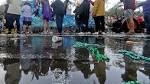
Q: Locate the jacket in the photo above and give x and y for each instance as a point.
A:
(58, 7)
(146, 8)
(99, 8)
(84, 10)
(14, 7)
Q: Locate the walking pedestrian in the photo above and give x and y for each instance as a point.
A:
(47, 15)
(83, 15)
(27, 17)
(59, 12)
(13, 14)
(99, 16)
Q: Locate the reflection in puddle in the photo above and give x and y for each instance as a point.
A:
(37, 60)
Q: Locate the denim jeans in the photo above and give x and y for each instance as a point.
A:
(10, 19)
(59, 22)
(147, 23)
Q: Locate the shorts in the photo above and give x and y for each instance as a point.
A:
(128, 13)
(27, 23)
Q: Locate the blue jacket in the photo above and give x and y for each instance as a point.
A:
(146, 7)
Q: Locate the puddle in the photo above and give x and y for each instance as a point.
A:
(37, 60)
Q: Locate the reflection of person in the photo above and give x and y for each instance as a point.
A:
(100, 67)
(130, 73)
(100, 71)
(13, 14)
(146, 53)
(83, 54)
(25, 64)
(59, 11)
(35, 68)
(13, 72)
(45, 66)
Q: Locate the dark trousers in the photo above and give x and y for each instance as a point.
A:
(59, 22)
(10, 19)
(99, 23)
(147, 23)
(84, 25)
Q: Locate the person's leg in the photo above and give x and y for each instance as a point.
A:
(147, 23)
(102, 23)
(24, 28)
(97, 23)
(77, 25)
(29, 27)
(45, 24)
(61, 25)
(130, 22)
(17, 18)
(9, 22)
(59, 22)
(85, 22)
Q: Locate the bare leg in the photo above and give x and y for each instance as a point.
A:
(24, 28)
(30, 29)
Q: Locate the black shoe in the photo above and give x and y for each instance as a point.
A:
(9, 33)
(18, 32)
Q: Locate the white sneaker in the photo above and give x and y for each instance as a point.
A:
(96, 33)
(103, 33)
(51, 33)
(88, 32)
(81, 33)
(44, 32)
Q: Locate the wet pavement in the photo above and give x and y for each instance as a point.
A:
(37, 60)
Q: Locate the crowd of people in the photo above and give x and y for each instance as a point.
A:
(15, 9)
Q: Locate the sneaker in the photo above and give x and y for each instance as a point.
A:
(50, 33)
(9, 33)
(88, 32)
(131, 32)
(81, 33)
(103, 33)
(96, 33)
(44, 32)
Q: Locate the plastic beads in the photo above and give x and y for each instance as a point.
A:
(93, 50)
(134, 56)
(132, 82)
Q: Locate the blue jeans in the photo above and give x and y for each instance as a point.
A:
(10, 19)
(59, 22)
(147, 22)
